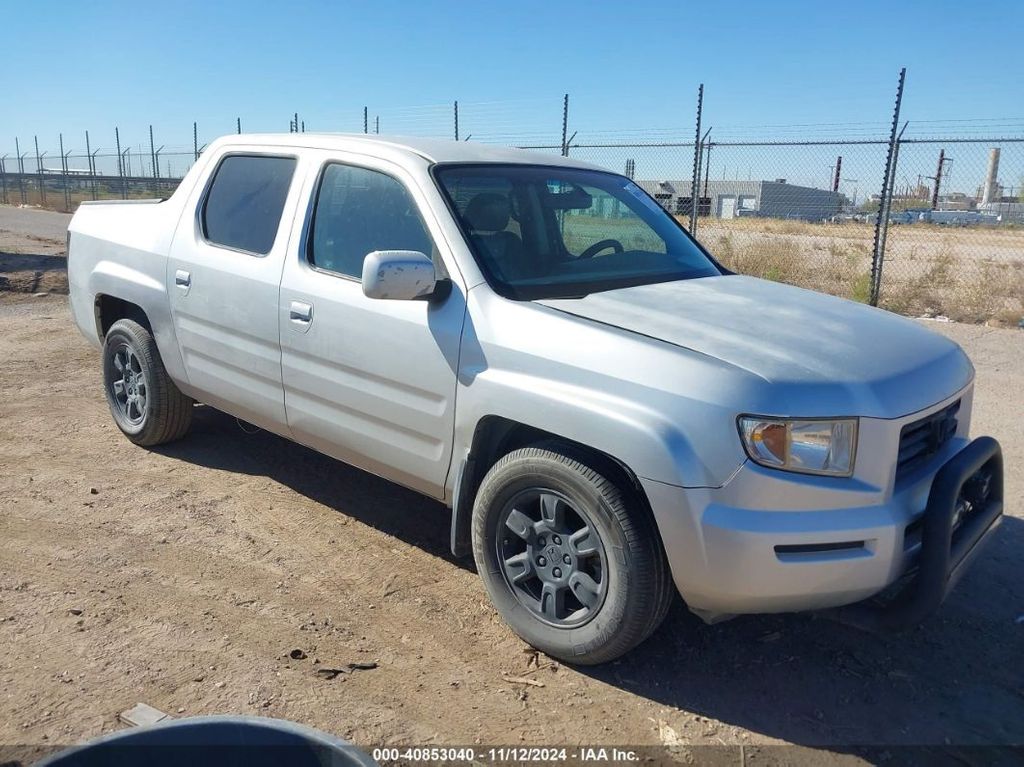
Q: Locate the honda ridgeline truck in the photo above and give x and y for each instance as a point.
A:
(537, 343)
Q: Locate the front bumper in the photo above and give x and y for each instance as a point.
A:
(965, 506)
(753, 547)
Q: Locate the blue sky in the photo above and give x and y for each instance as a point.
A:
(629, 67)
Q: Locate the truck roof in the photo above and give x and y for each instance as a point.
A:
(432, 150)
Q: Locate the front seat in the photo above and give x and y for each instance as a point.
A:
(487, 215)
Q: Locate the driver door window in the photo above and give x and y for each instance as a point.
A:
(359, 211)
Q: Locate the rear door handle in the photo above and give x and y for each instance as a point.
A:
(182, 278)
(301, 312)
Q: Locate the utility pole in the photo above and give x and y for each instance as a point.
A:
(456, 120)
(195, 141)
(853, 181)
(839, 169)
(938, 177)
(366, 119)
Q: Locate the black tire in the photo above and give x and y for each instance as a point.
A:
(148, 408)
(635, 589)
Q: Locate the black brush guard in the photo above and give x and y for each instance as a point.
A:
(964, 506)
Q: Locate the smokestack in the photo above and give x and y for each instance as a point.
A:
(991, 180)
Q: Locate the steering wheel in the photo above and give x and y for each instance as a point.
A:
(597, 247)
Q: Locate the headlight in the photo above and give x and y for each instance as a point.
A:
(825, 446)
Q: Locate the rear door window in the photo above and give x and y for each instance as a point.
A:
(246, 199)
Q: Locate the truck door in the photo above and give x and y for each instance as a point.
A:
(223, 277)
(371, 382)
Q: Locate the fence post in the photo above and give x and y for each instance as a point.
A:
(707, 167)
(39, 170)
(120, 164)
(884, 203)
(885, 223)
(64, 173)
(21, 171)
(92, 167)
(697, 151)
(152, 153)
(565, 125)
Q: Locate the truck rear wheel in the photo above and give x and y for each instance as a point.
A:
(571, 561)
(145, 403)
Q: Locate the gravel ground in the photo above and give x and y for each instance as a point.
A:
(31, 225)
(186, 576)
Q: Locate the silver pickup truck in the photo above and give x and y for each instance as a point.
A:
(535, 342)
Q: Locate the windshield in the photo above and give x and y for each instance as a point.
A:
(547, 232)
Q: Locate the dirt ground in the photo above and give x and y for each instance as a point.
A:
(186, 577)
(32, 250)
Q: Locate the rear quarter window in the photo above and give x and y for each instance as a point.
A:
(245, 201)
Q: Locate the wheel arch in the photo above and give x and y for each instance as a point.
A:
(496, 436)
(108, 309)
(114, 300)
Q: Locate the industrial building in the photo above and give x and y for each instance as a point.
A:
(989, 205)
(726, 198)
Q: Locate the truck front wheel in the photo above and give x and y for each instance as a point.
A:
(571, 560)
(143, 399)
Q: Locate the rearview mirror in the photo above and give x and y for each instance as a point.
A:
(402, 275)
(570, 199)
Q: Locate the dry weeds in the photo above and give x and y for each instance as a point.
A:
(970, 274)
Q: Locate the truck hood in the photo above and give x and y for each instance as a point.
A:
(822, 355)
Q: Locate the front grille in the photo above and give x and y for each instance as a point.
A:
(923, 438)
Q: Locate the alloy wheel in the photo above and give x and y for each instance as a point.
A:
(552, 557)
(128, 385)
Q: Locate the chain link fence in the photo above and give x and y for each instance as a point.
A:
(802, 209)
(955, 244)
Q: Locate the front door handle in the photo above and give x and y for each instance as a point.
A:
(301, 312)
(182, 279)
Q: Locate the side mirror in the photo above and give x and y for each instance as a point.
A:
(402, 275)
